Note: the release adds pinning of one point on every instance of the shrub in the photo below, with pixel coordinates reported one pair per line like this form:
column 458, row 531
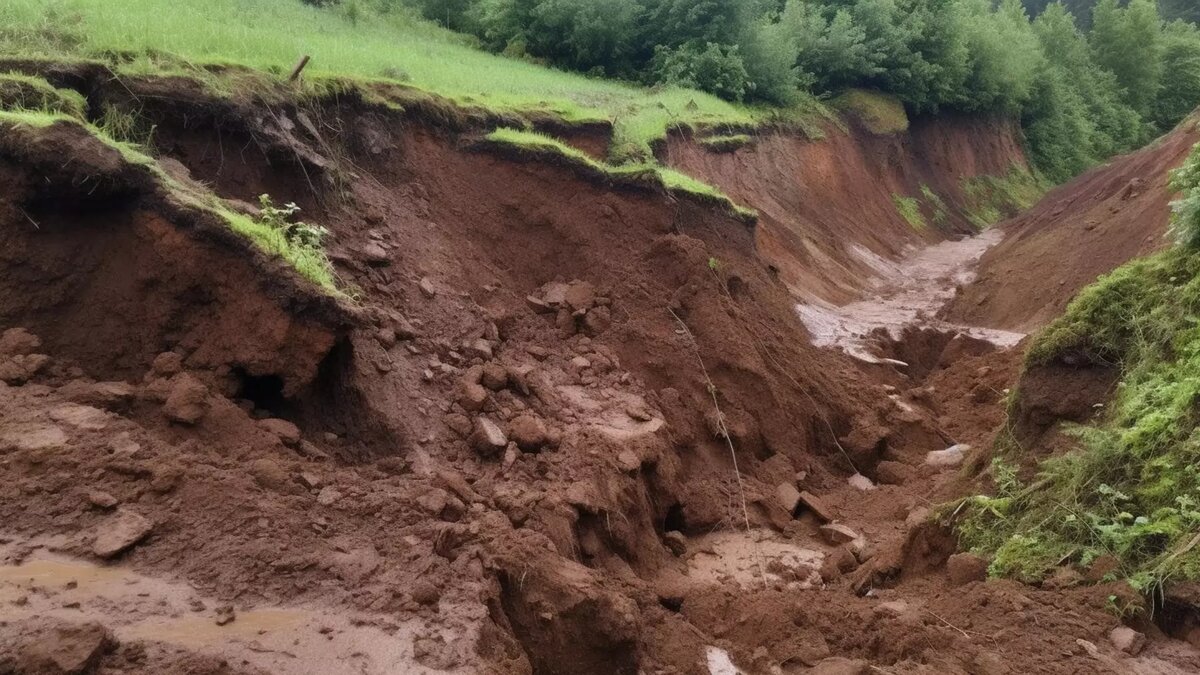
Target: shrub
column 714, row 68
column 1185, row 211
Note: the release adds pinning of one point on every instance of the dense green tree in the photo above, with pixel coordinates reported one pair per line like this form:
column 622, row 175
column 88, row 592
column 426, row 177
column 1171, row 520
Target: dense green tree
column 1179, row 92
column 1082, row 94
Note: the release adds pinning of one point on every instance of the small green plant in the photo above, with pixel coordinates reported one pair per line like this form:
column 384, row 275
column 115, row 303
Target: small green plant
column 910, row 209
column 299, row 233
column 714, row 264
column 940, row 213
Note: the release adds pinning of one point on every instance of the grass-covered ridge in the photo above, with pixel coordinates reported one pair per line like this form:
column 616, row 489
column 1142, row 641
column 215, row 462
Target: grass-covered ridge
column 1132, row 488
column 269, row 232
column 540, row 145
column 271, row 35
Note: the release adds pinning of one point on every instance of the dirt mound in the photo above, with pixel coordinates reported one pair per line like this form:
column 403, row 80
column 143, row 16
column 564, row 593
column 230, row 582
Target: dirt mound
column 1078, row 232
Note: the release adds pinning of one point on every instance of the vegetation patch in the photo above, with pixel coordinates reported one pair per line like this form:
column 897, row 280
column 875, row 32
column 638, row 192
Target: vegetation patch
column 879, row 113
column 941, row 214
column 909, row 208
column 991, row 199
column 1132, row 489
column 23, row 92
column 298, row 243
column 549, row 148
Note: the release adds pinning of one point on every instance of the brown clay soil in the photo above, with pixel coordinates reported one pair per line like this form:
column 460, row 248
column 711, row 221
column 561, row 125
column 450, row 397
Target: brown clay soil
column 1079, row 231
column 546, row 436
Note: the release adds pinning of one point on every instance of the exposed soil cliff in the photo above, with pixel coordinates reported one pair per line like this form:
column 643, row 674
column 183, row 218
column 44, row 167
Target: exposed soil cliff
column 1083, row 229
column 561, row 427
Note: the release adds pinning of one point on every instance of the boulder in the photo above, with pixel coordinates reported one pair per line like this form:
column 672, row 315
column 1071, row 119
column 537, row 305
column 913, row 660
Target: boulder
column 18, row 370
column 66, row 649
column 167, row 364
column 18, row 342
column 893, row 473
column 860, row 482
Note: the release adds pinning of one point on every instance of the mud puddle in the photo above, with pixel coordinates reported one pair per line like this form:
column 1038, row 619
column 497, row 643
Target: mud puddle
column 746, row 558
column 906, row 293
column 300, row 639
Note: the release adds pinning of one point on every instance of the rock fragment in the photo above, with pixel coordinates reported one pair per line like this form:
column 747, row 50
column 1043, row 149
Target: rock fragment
column 101, row 499
column 628, row 461
column 1127, row 640
column 285, row 431
column 836, row 534
column 788, row 496
column 950, row 457
column 494, row 376
column 528, row 432
column 676, row 542
column 487, row 438
column 121, row 532
column 817, row 505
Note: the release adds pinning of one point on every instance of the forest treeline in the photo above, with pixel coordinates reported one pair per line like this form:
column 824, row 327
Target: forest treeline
column 1087, row 78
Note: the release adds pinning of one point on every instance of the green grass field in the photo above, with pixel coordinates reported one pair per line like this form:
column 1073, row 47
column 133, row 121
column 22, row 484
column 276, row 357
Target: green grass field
column 272, row 35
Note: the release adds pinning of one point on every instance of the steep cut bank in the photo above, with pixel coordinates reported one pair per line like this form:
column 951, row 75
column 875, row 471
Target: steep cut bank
column 834, row 210
column 556, row 423
column 1078, row 232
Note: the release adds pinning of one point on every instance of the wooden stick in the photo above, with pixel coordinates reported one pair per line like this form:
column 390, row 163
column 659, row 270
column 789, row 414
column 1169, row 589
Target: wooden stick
column 299, row 68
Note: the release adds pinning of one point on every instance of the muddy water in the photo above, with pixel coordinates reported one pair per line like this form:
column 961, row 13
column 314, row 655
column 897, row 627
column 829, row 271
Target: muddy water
column 138, row 608
column 908, row 292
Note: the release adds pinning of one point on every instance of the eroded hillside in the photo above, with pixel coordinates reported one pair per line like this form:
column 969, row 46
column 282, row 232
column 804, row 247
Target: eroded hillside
column 543, row 416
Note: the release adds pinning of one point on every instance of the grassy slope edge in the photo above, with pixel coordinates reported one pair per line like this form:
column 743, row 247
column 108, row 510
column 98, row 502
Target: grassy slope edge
column 310, row 262
column 1131, row 488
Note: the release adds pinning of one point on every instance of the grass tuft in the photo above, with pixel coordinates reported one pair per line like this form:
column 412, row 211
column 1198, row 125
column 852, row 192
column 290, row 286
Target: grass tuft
column 909, row 208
